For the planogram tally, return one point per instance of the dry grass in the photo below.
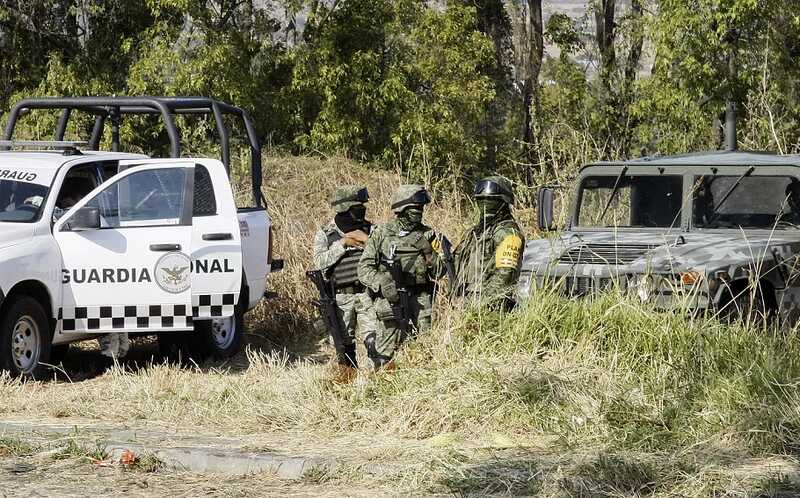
(601, 397)
(297, 190)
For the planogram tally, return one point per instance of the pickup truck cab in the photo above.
(98, 242)
(107, 242)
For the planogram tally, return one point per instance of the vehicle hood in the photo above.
(15, 233)
(657, 251)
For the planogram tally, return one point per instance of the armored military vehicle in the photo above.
(716, 231)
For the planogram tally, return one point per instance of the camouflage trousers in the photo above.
(114, 345)
(388, 336)
(357, 315)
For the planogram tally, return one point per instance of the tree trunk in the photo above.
(637, 42)
(604, 35)
(532, 102)
(631, 70)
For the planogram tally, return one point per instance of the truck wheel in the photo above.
(181, 348)
(222, 337)
(25, 339)
(749, 306)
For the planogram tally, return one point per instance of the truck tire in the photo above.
(182, 348)
(221, 337)
(755, 307)
(25, 339)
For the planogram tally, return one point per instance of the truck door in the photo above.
(216, 243)
(125, 253)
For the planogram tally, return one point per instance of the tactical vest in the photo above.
(475, 257)
(344, 272)
(408, 250)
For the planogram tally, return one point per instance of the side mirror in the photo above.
(85, 218)
(545, 209)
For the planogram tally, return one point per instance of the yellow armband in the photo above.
(507, 254)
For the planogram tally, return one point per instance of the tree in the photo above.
(605, 27)
(529, 53)
(692, 81)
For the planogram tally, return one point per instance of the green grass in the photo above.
(17, 447)
(81, 450)
(147, 463)
(563, 397)
(639, 402)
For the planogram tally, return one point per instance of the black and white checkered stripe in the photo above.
(213, 305)
(157, 316)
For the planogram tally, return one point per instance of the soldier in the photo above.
(337, 250)
(489, 256)
(399, 266)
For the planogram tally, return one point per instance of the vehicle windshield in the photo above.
(755, 202)
(21, 201)
(639, 201)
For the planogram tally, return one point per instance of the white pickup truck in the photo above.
(103, 242)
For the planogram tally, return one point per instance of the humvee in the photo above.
(719, 231)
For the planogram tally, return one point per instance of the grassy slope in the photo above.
(561, 397)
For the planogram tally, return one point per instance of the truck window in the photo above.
(145, 198)
(756, 202)
(205, 204)
(21, 201)
(76, 185)
(639, 201)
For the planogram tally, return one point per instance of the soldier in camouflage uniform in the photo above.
(337, 250)
(407, 240)
(489, 256)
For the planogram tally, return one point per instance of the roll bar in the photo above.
(113, 108)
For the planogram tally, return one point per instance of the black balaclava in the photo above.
(491, 209)
(352, 219)
(410, 218)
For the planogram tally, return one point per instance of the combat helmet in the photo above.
(347, 196)
(409, 195)
(494, 186)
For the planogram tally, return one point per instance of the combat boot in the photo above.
(348, 356)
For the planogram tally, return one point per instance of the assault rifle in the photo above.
(402, 308)
(447, 253)
(328, 308)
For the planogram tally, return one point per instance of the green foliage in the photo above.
(394, 81)
(691, 79)
(432, 91)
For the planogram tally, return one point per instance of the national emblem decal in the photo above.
(173, 271)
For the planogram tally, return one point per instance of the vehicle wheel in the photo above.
(222, 337)
(745, 305)
(58, 353)
(181, 348)
(25, 339)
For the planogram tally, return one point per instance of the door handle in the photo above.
(217, 236)
(165, 247)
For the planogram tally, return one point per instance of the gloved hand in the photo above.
(389, 290)
(356, 238)
(359, 235)
(424, 245)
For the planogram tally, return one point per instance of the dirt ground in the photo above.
(79, 478)
(38, 465)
